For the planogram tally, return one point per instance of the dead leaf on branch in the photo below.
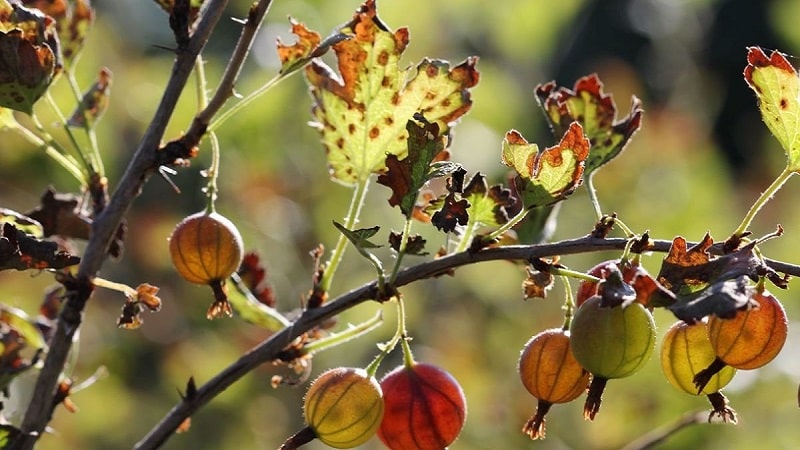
(73, 19)
(361, 112)
(704, 284)
(21, 251)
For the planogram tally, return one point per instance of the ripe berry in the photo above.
(344, 407)
(550, 372)
(425, 408)
(749, 340)
(685, 351)
(610, 342)
(206, 248)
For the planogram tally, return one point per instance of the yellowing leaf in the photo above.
(549, 176)
(362, 111)
(777, 86)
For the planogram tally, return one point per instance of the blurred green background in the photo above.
(699, 161)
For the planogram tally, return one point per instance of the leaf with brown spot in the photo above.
(30, 56)
(24, 252)
(704, 284)
(549, 176)
(309, 45)
(488, 205)
(587, 104)
(415, 245)
(94, 102)
(777, 86)
(361, 112)
(407, 176)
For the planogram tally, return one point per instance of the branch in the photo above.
(659, 435)
(104, 228)
(269, 349)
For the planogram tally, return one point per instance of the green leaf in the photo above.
(360, 237)
(361, 113)
(488, 205)
(551, 175)
(7, 119)
(406, 177)
(19, 320)
(595, 111)
(776, 84)
(251, 310)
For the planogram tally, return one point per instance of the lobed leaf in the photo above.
(551, 175)
(361, 113)
(776, 84)
(407, 176)
(596, 111)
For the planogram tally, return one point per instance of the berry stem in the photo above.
(202, 102)
(299, 439)
(762, 200)
(569, 303)
(343, 336)
(506, 226)
(354, 211)
(593, 196)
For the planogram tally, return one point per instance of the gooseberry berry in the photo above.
(425, 408)
(344, 407)
(749, 340)
(685, 351)
(206, 248)
(753, 337)
(610, 342)
(550, 372)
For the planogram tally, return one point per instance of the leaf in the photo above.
(776, 84)
(488, 205)
(549, 176)
(252, 309)
(704, 284)
(453, 213)
(360, 237)
(94, 102)
(308, 46)
(23, 252)
(22, 222)
(59, 215)
(73, 20)
(8, 434)
(405, 178)
(361, 113)
(26, 327)
(29, 55)
(537, 283)
(595, 111)
(253, 274)
(415, 245)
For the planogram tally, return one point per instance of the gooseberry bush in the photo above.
(380, 121)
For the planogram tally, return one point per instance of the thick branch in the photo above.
(104, 228)
(272, 347)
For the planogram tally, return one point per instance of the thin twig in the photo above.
(269, 349)
(659, 435)
(104, 229)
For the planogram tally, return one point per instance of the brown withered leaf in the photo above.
(94, 102)
(254, 275)
(21, 251)
(453, 213)
(704, 284)
(59, 215)
(537, 283)
(415, 245)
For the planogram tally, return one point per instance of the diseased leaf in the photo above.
(551, 175)
(452, 214)
(309, 45)
(94, 102)
(362, 111)
(29, 55)
(776, 84)
(22, 222)
(59, 214)
(595, 111)
(488, 205)
(407, 176)
(704, 284)
(23, 252)
(73, 20)
(415, 245)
